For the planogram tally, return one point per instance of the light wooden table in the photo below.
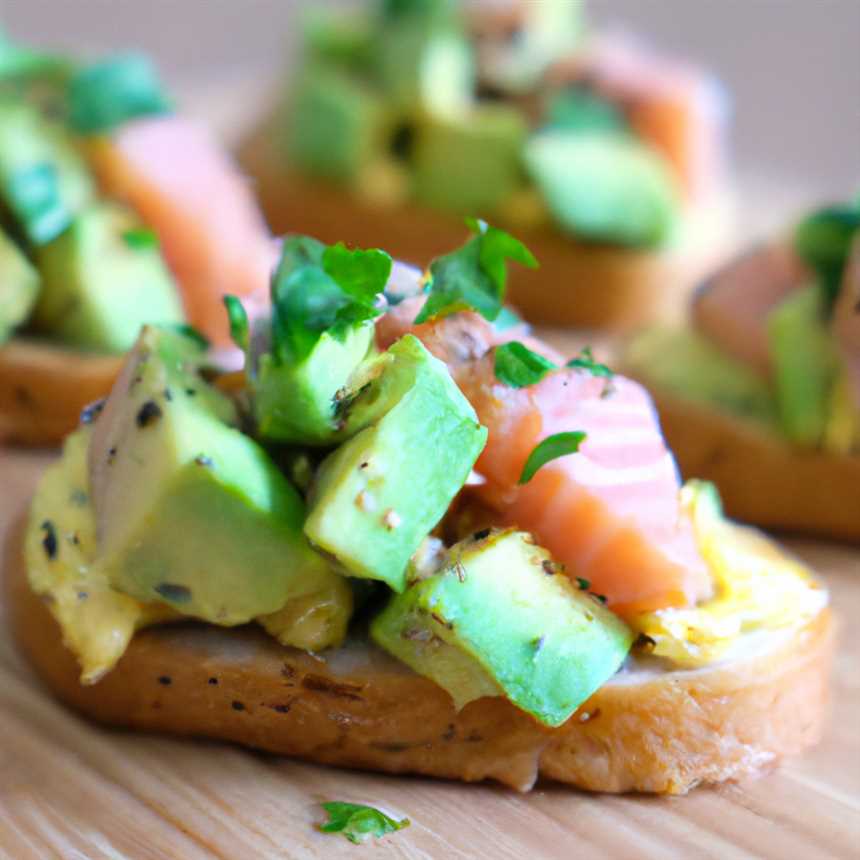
(73, 790)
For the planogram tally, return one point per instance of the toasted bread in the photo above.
(649, 729)
(44, 387)
(590, 285)
(762, 477)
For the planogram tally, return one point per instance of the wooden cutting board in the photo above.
(73, 790)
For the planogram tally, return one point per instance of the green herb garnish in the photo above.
(358, 822)
(109, 93)
(320, 289)
(507, 319)
(190, 332)
(551, 448)
(238, 319)
(518, 367)
(473, 277)
(823, 240)
(33, 195)
(140, 238)
(585, 361)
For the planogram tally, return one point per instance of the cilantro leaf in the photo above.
(238, 322)
(551, 448)
(318, 289)
(823, 240)
(107, 94)
(358, 822)
(507, 319)
(585, 361)
(517, 366)
(473, 277)
(33, 195)
(140, 238)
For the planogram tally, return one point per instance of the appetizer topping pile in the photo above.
(402, 457)
(105, 222)
(518, 113)
(775, 336)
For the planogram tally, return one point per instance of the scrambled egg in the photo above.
(757, 587)
(97, 621)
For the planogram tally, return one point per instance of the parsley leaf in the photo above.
(507, 319)
(585, 361)
(473, 277)
(551, 448)
(517, 366)
(320, 289)
(107, 94)
(33, 195)
(238, 322)
(358, 822)
(140, 238)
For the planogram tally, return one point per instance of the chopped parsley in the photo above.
(107, 94)
(474, 276)
(551, 448)
(319, 289)
(518, 367)
(358, 822)
(585, 361)
(238, 319)
(140, 238)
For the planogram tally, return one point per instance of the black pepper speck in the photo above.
(49, 541)
(165, 680)
(213, 681)
(149, 412)
(237, 705)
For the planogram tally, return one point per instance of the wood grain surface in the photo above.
(72, 790)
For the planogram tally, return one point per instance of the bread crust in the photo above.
(616, 288)
(647, 730)
(763, 478)
(44, 387)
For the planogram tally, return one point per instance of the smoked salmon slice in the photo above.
(173, 173)
(611, 512)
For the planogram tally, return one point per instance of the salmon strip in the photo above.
(173, 173)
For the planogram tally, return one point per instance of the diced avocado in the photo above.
(19, 287)
(380, 493)
(580, 109)
(500, 618)
(44, 182)
(336, 124)
(337, 36)
(189, 511)
(684, 363)
(103, 278)
(422, 59)
(297, 402)
(604, 187)
(470, 163)
(805, 363)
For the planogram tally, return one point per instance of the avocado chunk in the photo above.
(805, 364)
(380, 493)
(501, 618)
(336, 125)
(44, 182)
(19, 287)
(297, 402)
(470, 163)
(103, 278)
(686, 364)
(189, 511)
(604, 187)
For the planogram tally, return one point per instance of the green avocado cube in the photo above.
(471, 163)
(335, 124)
(604, 187)
(190, 511)
(501, 618)
(805, 364)
(19, 287)
(686, 364)
(103, 278)
(44, 181)
(380, 493)
(298, 402)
